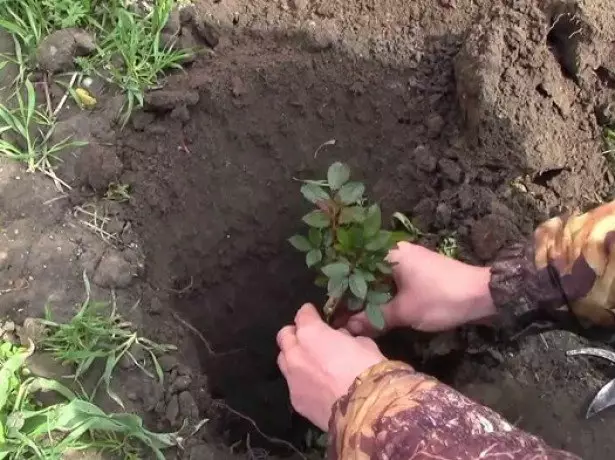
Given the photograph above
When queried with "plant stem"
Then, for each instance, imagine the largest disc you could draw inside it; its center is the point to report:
(330, 307)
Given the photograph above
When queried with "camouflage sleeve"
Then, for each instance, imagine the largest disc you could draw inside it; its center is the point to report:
(567, 262)
(394, 413)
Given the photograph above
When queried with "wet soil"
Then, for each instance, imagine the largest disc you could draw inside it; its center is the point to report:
(475, 119)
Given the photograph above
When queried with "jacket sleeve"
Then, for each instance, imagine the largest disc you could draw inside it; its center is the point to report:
(394, 413)
(569, 261)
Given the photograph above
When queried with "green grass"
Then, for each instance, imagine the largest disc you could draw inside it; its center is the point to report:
(32, 148)
(98, 334)
(29, 430)
(129, 55)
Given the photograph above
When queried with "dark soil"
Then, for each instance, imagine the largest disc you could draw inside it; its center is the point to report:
(467, 116)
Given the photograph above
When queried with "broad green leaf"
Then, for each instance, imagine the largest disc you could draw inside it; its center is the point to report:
(300, 243)
(343, 238)
(373, 221)
(378, 298)
(337, 286)
(313, 257)
(351, 193)
(314, 193)
(352, 214)
(384, 268)
(337, 175)
(380, 241)
(316, 219)
(10, 367)
(369, 277)
(328, 238)
(358, 285)
(315, 237)
(375, 316)
(336, 270)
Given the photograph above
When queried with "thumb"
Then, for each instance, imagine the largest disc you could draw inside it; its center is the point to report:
(359, 324)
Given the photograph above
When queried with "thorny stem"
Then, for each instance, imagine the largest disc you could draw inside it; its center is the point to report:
(330, 307)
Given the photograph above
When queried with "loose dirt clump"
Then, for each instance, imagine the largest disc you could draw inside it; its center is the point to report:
(468, 116)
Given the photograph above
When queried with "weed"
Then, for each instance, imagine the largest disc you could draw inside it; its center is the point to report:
(93, 334)
(118, 192)
(27, 146)
(131, 54)
(347, 245)
(449, 247)
(29, 430)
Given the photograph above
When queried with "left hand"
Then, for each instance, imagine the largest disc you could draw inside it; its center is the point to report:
(321, 363)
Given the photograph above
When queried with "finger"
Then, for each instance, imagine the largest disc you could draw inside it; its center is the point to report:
(359, 324)
(287, 338)
(306, 315)
(367, 343)
(344, 331)
(282, 364)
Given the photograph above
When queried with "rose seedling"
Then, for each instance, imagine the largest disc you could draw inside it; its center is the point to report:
(347, 246)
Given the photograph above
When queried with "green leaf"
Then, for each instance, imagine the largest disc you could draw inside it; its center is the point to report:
(352, 214)
(384, 268)
(380, 241)
(317, 219)
(378, 298)
(315, 237)
(313, 257)
(358, 285)
(314, 193)
(352, 192)
(375, 316)
(337, 286)
(300, 243)
(369, 277)
(337, 175)
(408, 225)
(398, 236)
(373, 221)
(343, 237)
(336, 270)
(328, 238)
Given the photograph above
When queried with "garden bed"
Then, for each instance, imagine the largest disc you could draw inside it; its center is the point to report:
(470, 118)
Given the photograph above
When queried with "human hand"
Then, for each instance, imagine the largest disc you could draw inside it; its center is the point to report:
(434, 293)
(320, 363)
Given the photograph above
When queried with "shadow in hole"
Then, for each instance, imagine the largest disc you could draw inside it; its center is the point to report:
(218, 215)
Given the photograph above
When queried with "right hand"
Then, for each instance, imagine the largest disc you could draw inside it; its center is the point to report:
(434, 293)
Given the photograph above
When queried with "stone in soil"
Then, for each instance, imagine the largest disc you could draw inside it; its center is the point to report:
(188, 409)
(113, 271)
(167, 100)
(32, 330)
(57, 51)
(208, 32)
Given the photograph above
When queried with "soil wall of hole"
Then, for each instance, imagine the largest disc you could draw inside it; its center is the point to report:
(476, 131)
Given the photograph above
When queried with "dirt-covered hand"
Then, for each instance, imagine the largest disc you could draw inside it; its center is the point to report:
(320, 363)
(434, 293)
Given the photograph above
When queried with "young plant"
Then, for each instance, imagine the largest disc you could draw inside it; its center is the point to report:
(30, 430)
(27, 146)
(347, 245)
(93, 334)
